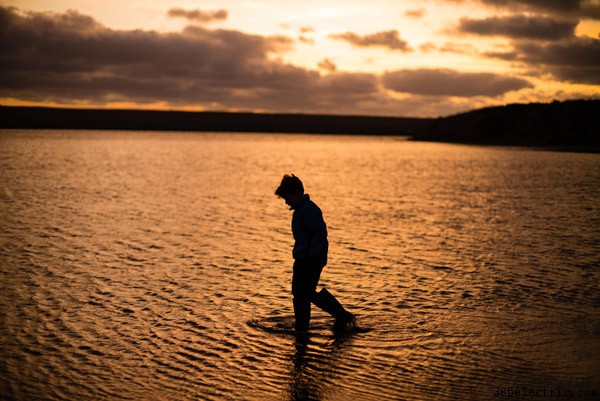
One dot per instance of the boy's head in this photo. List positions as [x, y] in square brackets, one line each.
[290, 188]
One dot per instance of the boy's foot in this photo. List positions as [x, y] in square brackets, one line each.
[346, 323]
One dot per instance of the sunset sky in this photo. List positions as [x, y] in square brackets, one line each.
[423, 58]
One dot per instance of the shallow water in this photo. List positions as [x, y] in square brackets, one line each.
[132, 263]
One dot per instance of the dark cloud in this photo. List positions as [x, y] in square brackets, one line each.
[589, 9]
[70, 58]
[389, 39]
[444, 82]
[520, 27]
[584, 75]
[584, 52]
[544, 41]
[52, 54]
[198, 15]
[574, 60]
[563, 6]
[581, 8]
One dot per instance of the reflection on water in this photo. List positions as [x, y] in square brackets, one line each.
[313, 373]
[132, 262]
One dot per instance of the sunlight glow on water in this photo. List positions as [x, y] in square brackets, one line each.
[131, 263]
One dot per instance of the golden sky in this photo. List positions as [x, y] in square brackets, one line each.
[423, 58]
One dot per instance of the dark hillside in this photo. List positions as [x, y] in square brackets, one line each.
[571, 124]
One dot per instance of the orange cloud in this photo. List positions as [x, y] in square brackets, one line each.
[389, 39]
[198, 15]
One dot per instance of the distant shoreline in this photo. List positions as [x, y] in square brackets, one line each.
[150, 120]
[563, 126]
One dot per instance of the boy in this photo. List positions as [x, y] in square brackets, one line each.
[310, 256]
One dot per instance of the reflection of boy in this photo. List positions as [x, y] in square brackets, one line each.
[310, 256]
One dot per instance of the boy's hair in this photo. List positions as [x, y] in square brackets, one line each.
[290, 184]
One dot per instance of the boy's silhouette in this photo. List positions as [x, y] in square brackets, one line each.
[310, 256]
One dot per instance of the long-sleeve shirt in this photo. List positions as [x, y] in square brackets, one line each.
[310, 232]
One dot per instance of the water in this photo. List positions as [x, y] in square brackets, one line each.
[132, 262]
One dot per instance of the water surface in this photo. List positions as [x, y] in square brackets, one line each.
[132, 262]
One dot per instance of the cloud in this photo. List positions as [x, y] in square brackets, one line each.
[305, 39]
[574, 60]
[327, 65]
[563, 6]
[582, 8]
[197, 15]
[50, 54]
[448, 47]
[444, 82]
[520, 27]
[70, 58]
[389, 39]
[544, 42]
[589, 9]
[418, 13]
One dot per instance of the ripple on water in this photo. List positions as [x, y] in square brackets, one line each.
[131, 264]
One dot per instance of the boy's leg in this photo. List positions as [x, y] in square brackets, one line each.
[304, 283]
[301, 313]
[326, 301]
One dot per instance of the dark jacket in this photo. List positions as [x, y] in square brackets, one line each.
[310, 232]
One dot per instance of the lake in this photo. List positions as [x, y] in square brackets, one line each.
[133, 265]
